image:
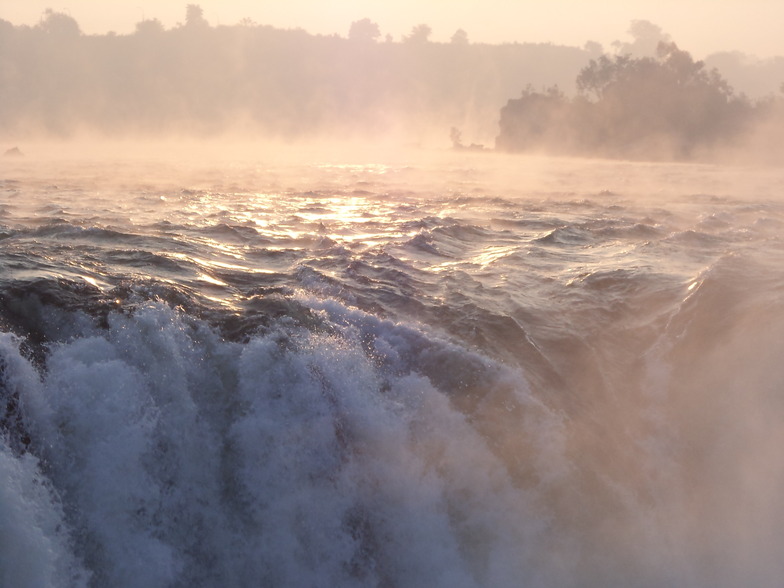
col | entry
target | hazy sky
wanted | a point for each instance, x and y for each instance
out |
(699, 26)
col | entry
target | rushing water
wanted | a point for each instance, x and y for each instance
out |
(453, 370)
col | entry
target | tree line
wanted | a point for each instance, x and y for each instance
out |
(668, 106)
(649, 99)
(200, 79)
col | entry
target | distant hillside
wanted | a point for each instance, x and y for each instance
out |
(255, 79)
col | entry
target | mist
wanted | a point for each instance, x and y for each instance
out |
(250, 81)
(253, 80)
(286, 309)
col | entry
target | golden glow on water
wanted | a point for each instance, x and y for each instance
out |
(91, 281)
(292, 220)
(479, 311)
(218, 265)
(211, 280)
(222, 247)
(493, 254)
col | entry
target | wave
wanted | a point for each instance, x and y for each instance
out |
(400, 388)
(424, 243)
(566, 236)
(306, 455)
(151, 438)
(239, 233)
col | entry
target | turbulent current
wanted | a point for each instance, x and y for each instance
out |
(450, 370)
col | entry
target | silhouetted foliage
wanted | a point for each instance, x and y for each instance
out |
(460, 37)
(59, 24)
(204, 79)
(149, 27)
(668, 106)
(646, 38)
(538, 120)
(364, 30)
(419, 34)
(194, 16)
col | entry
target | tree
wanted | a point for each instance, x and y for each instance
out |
(460, 37)
(194, 16)
(538, 120)
(646, 39)
(419, 34)
(672, 69)
(150, 26)
(600, 73)
(593, 48)
(668, 106)
(59, 24)
(364, 30)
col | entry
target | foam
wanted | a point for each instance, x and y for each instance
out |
(295, 459)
